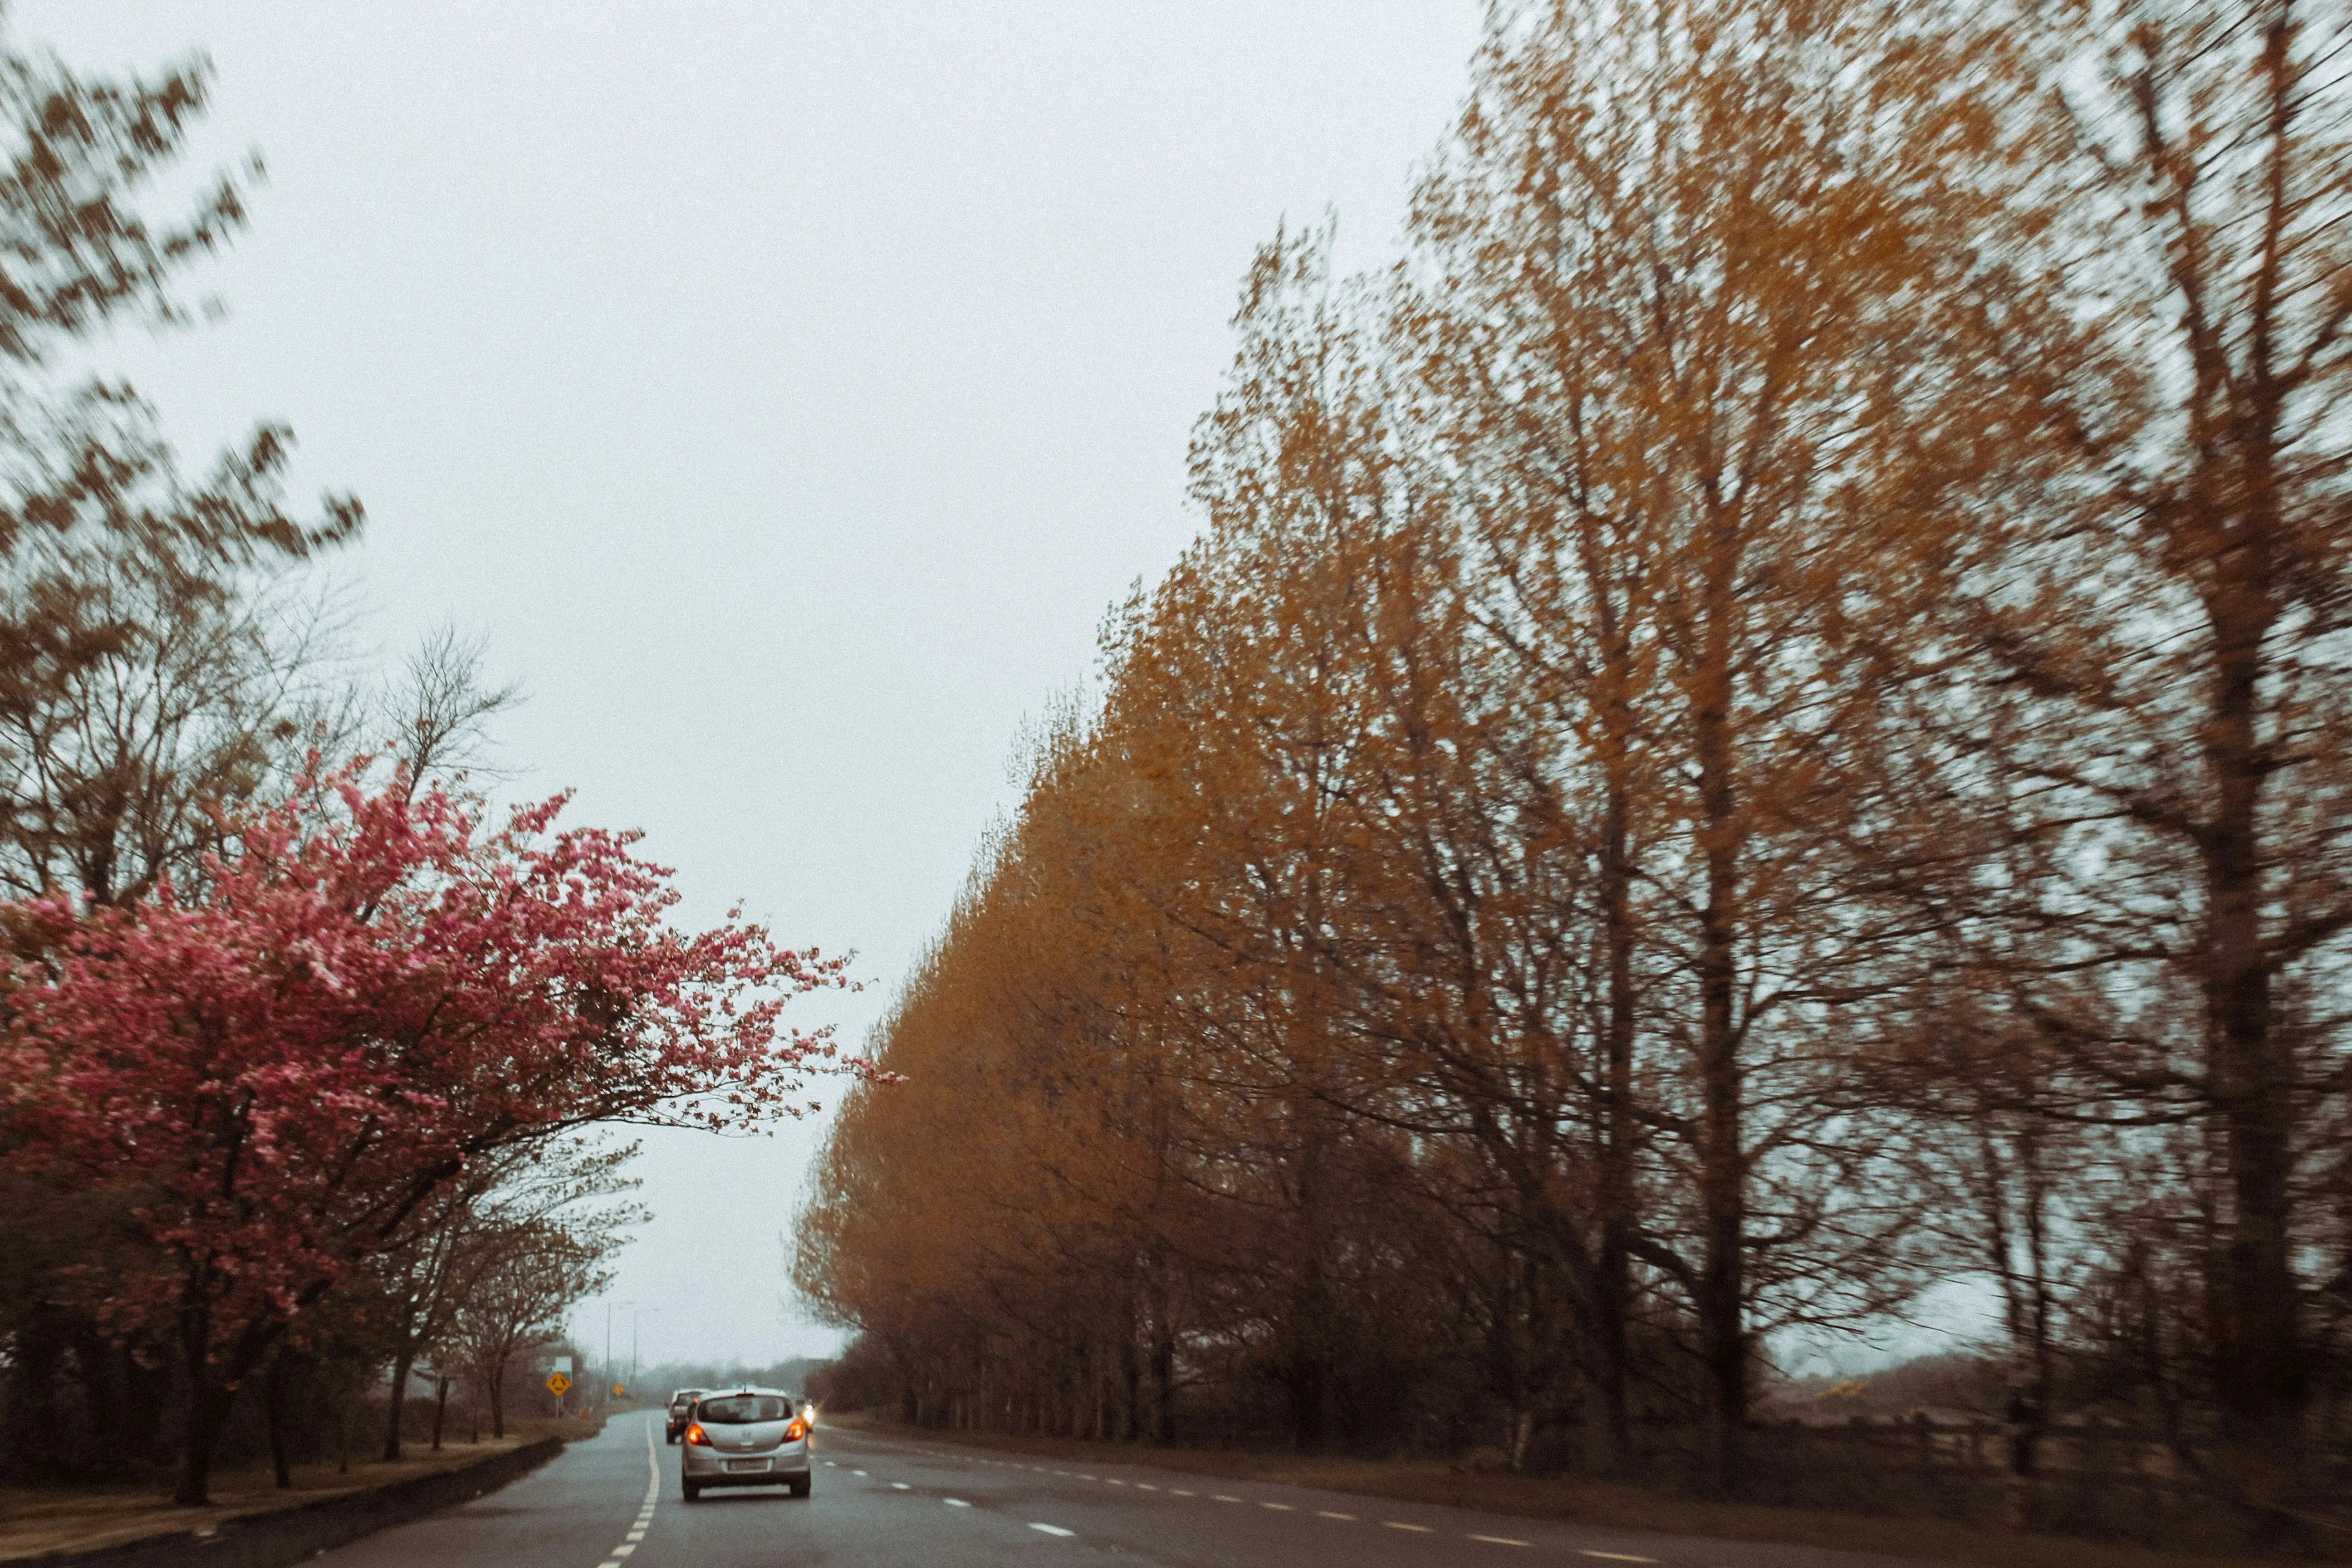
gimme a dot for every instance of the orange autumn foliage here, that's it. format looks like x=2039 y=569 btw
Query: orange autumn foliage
x=1596 y=864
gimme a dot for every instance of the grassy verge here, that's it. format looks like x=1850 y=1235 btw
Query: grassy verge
x=1586 y=1502
x=37 y=1520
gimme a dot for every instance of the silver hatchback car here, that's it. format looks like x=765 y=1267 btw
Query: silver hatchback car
x=745 y=1437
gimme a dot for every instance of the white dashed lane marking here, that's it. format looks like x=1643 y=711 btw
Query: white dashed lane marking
x=1171 y=1492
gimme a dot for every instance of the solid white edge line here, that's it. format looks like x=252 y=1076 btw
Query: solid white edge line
x=1051 y=1529
x=646 y=1514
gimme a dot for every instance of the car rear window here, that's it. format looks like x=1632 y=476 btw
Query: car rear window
x=740 y=1409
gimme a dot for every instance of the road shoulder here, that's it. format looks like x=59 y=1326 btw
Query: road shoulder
x=252 y=1523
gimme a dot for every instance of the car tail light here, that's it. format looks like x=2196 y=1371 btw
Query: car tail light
x=796 y=1431
x=694 y=1434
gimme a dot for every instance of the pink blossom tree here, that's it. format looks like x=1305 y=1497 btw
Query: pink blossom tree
x=370 y=992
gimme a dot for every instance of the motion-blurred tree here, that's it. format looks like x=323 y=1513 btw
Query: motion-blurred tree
x=1760 y=723
x=2167 y=701
x=150 y=649
x=143 y=682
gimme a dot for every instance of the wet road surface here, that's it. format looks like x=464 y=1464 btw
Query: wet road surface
x=614 y=1502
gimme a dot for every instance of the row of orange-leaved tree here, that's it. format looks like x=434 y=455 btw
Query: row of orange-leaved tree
x=1755 y=742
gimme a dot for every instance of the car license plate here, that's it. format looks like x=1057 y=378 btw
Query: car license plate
x=746 y=1464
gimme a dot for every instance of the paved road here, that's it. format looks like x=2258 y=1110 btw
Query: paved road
x=614 y=1502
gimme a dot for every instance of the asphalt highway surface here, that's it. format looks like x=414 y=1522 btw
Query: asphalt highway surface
x=614 y=1502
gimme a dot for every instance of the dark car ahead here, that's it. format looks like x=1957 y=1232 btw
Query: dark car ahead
x=681 y=1407
x=745 y=1437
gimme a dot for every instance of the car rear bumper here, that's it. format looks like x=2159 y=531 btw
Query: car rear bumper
x=720 y=1468
x=773 y=1473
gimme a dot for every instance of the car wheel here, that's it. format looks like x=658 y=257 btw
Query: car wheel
x=801 y=1488
x=693 y=1491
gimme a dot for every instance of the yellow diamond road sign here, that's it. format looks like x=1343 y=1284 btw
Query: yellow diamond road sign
x=557 y=1383
x=618 y=1391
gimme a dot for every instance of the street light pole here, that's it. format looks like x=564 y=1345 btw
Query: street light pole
x=636 y=1313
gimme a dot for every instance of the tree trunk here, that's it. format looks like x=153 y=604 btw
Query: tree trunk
x=99 y=1361
x=1723 y=1184
x=396 y=1406
x=1163 y=1383
x=1613 y=1304
x=499 y=1399
x=2259 y=1368
x=440 y=1406
x=273 y=1412
x=1612 y=586
x=208 y=1408
x=28 y=1415
x=1130 y=1374
x=2025 y=1286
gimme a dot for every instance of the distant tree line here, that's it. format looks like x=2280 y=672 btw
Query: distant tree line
x=303 y=1045
x=795 y=1374
x=1758 y=726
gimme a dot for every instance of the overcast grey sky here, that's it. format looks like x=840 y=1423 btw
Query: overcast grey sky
x=786 y=389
